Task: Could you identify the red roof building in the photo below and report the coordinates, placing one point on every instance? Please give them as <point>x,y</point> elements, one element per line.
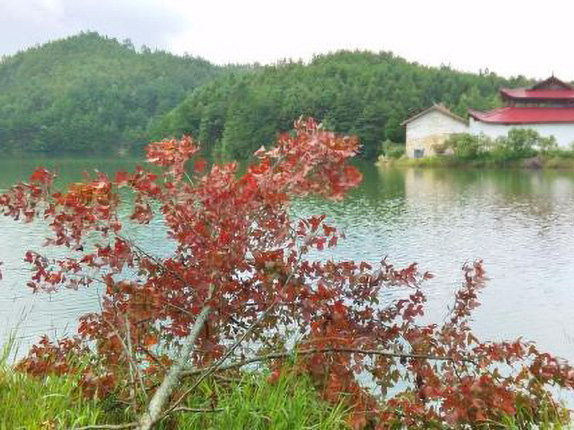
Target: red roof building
<point>525,115</point>
<point>547,107</point>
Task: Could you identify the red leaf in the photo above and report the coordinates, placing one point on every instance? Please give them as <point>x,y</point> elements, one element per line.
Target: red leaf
<point>199,165</point>
<point>122,178</point>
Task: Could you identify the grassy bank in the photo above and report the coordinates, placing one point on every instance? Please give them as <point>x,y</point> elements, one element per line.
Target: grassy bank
<point>521,148</point>
<point>251,402</point>
<point>558,160</point>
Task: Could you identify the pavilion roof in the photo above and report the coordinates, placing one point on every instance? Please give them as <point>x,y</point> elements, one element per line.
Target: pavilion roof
<point>549,89</point>
<point>527,93</point>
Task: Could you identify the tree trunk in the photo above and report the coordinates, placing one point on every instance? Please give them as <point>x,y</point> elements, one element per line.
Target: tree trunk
<point>162,394</point>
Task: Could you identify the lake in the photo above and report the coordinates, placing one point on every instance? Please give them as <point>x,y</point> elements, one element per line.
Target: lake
<point>521,223</point>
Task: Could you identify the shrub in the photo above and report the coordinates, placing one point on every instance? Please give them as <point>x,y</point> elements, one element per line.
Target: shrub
<point>521,142</point>
<point>392,150</point>
<point>242,285</point>
<point>468,146</point>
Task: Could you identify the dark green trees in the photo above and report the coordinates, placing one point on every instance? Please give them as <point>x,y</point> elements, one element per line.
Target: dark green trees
<point>89,93</point>
<point>360,93</point>
<point>93,93</point>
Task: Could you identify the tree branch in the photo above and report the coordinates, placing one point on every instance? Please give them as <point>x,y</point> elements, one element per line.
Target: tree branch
<point>197,410</point>
<point>107,427</point>
<point>280,355</point>
<point>160,397</point>
<point>238,342</point>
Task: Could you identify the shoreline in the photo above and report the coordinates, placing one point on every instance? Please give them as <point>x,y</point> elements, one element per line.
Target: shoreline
<point>538,162</point>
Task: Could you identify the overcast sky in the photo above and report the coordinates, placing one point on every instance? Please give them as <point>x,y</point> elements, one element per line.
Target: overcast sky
<point>507,36</point>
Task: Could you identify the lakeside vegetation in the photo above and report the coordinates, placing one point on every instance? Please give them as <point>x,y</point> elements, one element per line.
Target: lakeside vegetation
<point>246,400</point>
<point>175,336</point>
<point>147,314</point>
<point>520,148</point>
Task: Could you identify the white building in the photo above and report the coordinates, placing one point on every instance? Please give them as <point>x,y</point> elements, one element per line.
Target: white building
<point>547,107</point>
<point>427,131</point>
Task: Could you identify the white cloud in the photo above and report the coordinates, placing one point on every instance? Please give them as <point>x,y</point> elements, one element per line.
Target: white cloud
<point>29,22</point>
<point>506,36</point>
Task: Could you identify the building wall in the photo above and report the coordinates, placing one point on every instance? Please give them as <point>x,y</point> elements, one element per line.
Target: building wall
<point>564,133</point>
<point>429,130</point>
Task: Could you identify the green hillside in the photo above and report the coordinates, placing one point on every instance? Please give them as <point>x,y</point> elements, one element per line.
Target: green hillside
<point>90,93</point>
<point>362,93</point>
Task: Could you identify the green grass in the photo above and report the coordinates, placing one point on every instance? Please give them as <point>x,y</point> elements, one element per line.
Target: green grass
<point>251,402</point>
<point>547,418</point>
<point>254,403</point>
<point>49,403</point>
<point>53,403</point>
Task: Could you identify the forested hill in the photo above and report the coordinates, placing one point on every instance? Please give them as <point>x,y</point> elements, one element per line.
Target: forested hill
<point>361,93</point>
<point>90,92</point>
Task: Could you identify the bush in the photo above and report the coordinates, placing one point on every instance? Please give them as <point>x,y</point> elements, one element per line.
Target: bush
<point>521,142</point>
<point>467,146</point>
<point>518,144</point>
<point>392,150</point>
<point>243,285</point>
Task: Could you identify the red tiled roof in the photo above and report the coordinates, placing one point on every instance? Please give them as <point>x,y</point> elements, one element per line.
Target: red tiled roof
<point>527,93</point>
<point>551,83</point>
<point>524,115</point>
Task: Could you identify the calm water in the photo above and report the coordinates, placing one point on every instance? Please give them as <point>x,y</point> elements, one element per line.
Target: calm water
<point>521,223</point>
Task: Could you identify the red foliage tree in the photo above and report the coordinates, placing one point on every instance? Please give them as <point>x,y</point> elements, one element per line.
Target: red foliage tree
<point>240,287</point>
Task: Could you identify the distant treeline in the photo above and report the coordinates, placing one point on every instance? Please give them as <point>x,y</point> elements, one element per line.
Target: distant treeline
<point>361,93</point>
<point>94,93</point>
<point>90,93</point>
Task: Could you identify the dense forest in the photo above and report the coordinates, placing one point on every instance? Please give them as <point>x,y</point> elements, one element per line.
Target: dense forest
<point>362,93</point>
<point>93,93</point>
<point>90,92</point>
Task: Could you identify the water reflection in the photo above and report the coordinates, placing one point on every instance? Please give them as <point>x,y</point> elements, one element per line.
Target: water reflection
<point>521,223</point>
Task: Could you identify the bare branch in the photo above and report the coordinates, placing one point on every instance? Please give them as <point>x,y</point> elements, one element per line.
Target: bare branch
<point>281,355</point>
<point>152,357</point>
<point>197,410</point>
<point>131,358</point>
<point>132,366</point>
<point>107,427</point>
